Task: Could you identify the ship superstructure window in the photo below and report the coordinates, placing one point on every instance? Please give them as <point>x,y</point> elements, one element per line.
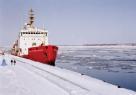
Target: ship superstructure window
<point>34,44</point>
<point>33,33</point>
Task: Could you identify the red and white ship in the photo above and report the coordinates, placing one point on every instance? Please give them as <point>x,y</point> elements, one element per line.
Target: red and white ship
<point>33,44</point>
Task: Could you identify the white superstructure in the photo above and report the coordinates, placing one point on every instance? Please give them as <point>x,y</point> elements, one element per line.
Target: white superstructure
<point>31,36</point>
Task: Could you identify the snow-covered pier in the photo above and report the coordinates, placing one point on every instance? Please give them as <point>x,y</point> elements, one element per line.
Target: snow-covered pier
<point>27,77</point>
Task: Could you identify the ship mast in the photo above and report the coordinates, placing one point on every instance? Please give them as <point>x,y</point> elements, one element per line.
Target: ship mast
<point>31,18</point>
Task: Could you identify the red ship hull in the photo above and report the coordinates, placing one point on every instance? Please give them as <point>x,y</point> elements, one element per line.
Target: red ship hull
<point>44,54</point>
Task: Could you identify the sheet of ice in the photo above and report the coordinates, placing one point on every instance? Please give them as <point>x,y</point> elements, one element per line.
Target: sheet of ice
<point>32,78</point>
<point>114,64</point>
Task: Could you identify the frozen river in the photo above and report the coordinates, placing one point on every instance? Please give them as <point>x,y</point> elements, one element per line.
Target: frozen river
<point>113,64</point>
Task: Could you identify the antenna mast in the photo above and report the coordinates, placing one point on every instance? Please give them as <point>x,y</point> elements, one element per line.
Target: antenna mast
<point>31,18</point>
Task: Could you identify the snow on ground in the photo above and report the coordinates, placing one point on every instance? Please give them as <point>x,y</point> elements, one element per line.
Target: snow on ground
<point>31,78</point>
<point>17,80</point>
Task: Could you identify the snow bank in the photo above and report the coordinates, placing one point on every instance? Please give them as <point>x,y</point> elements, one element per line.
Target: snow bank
<point>72,82</point>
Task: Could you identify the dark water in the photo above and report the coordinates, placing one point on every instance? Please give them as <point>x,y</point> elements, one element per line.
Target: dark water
<point>116,65</point>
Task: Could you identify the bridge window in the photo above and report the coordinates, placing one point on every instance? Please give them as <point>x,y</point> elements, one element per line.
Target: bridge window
<point>34,44</point>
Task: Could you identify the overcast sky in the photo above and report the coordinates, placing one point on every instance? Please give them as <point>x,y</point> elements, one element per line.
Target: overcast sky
<point>71,21</point>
